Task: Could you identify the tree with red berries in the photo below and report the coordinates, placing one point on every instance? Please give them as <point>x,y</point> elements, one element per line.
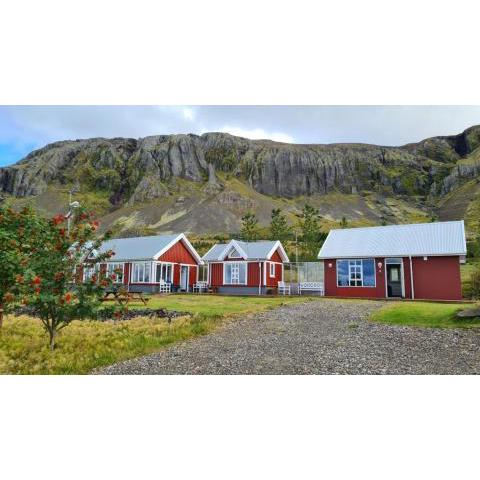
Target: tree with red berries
<point>20,232</point>
<point>57,294</point>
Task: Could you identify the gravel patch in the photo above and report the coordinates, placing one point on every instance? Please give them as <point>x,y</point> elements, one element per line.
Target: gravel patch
<point>323,336</point>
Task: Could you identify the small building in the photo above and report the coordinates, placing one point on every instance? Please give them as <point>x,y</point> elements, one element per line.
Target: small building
<point>146,263</point>
<point>419,261</point>
<point>245,267</point>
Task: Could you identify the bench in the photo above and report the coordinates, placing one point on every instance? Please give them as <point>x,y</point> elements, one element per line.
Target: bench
<point>283,288</point>
<point>200,287</point>
<point>311,287</point>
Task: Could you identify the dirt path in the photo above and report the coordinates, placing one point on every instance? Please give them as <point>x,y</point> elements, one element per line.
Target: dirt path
<point>317,337</point>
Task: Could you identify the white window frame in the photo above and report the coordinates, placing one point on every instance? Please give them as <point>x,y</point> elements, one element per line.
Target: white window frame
<point>234,253</point>
<point>111,266</point>
<point>91,269</point>
<point>163,270</point>
<point>132,274</point>
<point>354,268</point>
<point>353,262</point>
<point>231,276</point>
<point>271,269</point>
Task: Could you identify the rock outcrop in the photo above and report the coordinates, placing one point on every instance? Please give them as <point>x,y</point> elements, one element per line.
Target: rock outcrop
<point>140,170</point>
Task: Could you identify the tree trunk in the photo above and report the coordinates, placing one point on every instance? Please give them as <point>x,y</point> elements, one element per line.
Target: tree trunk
<point>1,316</point>
<point>52,334</point>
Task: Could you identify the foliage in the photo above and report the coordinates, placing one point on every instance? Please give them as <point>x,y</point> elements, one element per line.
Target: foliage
<point>250,228</point>
<point>19,236</point>
<point>279,227</point>
<point>224,159</point>
<point>312,237</point>
<point>474,283</point>
<point>423,314</point>
<point>53,293</point>
<point>343,223</point>
<point>86,345</point>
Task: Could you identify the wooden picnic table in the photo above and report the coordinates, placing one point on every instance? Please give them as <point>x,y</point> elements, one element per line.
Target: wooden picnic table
<point>123,297</point>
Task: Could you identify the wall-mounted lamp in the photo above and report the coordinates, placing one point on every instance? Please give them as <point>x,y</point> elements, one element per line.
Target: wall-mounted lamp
<point>330,265</point>
<point>379,265</point>
<point>425,258</point>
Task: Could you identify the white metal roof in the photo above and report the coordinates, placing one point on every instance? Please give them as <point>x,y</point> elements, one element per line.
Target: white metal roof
<point>145,248</point>
<point>419,239</point>
<point>262,250</point>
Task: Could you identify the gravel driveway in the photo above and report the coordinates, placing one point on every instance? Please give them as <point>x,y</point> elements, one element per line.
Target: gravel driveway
<point>318,337</point>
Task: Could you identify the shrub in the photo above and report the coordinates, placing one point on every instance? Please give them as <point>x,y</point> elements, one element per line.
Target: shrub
<point>474,290</point>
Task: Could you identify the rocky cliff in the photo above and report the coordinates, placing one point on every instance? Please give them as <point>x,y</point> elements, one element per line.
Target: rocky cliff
<point>127,172</point>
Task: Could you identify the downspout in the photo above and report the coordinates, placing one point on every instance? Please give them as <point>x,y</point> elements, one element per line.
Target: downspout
<point>259,278</point>
<point>411,278</point>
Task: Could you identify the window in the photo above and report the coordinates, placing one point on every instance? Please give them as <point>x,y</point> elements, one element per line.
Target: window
<point>141,272</point>
<point>234,254</point>
<point>272,269</point>
<point>89,271</point>
<point>116,270</point>
<point>235,273</point>
<point>356,273</point>
<point>164,273</point>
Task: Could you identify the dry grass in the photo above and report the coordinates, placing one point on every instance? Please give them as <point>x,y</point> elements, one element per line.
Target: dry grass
<point>85,345</point>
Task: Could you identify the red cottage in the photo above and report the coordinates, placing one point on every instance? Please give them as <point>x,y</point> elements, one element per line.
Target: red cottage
<point>245,267</point>
<point>420,261</point>
<point>152,264</point>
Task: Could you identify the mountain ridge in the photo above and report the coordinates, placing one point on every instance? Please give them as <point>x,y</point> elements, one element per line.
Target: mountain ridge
<point>160,181</point>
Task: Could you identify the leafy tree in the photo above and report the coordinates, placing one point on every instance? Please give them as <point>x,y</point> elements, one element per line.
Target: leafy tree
<point>279,228</point>
<point>250,229</point>
<point>311,233</point>
<point>343,223</point>
<point>19,236</point>
<point>53,293</point>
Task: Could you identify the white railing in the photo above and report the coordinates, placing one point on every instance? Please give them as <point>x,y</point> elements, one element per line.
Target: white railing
<point>283,288</point>
<point>200,287</point>
<point>164,287</point>
<point>311,287</point>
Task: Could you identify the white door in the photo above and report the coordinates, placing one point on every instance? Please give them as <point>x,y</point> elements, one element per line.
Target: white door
<point>184,278</point>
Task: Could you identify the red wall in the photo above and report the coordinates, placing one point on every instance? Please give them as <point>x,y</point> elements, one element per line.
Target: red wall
<point>276,257</point>
<point>178,253</point>
<point>253,272</point>
<point>437,278</point>
<point>331,288</point>
<point>273,281</point>
<point>253,279</point>
<point>216,274</point>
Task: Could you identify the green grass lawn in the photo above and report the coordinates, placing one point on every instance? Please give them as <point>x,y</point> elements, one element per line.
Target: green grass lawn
<point>215,304</point>
<point>85,345</point>
<point>423,314</point>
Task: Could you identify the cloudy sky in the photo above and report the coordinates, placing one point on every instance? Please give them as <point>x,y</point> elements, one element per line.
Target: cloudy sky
<point>24,128</point>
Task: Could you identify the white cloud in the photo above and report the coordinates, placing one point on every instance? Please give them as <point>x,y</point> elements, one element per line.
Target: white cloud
<point>257,134</point>
<point>189,114</point>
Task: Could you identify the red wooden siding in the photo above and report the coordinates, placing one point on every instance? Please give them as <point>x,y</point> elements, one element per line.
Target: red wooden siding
<point>216,274</point>
<point>331,288</point>
<point>178,253</point>
<point>273,281</point>
<point>253,270</point>
<point>437,278</point>
<point>276,257</point>
<point>192,278</point>
<point>126,273</point>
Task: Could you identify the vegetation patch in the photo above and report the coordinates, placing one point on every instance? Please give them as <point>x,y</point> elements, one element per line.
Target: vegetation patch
<point>86,345</point>
<point>423,314</point>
